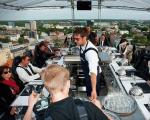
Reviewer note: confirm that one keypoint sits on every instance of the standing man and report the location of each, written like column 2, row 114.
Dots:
column 89, row 60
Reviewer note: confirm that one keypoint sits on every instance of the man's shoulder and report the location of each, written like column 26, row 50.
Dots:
column 91, row 45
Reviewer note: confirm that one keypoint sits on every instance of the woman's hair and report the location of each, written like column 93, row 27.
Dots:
column 41, row 44
column 55, row 77
column 83, row 31
column 2, row 68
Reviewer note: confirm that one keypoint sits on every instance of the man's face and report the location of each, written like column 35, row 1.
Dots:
column 78, row 39
column 26, row 61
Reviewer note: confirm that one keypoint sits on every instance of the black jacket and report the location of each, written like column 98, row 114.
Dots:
column 66, row 110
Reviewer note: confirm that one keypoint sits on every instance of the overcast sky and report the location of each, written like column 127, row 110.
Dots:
column 49, row 14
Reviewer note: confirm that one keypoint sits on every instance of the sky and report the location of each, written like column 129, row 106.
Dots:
column 58, row 14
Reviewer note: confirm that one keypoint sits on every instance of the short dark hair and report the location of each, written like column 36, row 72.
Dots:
column 83, row 31
column 24, row 57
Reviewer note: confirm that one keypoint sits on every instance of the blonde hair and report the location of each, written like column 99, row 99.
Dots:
column 55, row 77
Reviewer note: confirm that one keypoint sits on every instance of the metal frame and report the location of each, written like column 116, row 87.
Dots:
column 34, row 4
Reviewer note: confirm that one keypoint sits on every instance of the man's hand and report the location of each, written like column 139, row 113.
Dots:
column 93, row 95
column 13, row 110
column 97, row 103
column 148, row 82
column 33, row 98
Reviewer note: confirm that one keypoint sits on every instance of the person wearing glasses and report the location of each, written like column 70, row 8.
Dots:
column 8, row 91
column 26, row 71
column 89, row 60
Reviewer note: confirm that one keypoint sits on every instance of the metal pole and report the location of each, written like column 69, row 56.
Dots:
column 99, row 12
column 73, row 15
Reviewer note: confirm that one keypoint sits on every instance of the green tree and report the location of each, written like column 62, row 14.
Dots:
column 142, row 40
column 21, row 40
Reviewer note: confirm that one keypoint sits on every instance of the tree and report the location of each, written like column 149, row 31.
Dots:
column 21, row 40
column 141, row 40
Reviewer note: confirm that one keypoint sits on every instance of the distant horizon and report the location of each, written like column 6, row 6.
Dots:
column 102, row 20
column 66, row 14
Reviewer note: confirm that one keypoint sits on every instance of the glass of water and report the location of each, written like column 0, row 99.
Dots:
column 148, row 103
column 133, row 78
column 19, row 115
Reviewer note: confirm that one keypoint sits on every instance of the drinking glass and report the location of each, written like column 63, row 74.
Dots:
column 19, row 115
column 148, row 103
column 133, row 77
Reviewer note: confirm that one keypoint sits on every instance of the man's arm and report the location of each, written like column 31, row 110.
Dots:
column 23, row 75
column 93, row 83
column 35, row 69
column 33, row 98
column 93, row 64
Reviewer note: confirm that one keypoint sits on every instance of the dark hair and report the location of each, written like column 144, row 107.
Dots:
column 2, row 68
column 41, row 44
column 83, row 31
column 24, row 56
column 123, row 40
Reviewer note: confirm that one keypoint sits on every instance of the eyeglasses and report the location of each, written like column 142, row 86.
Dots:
column 6, row 72
column 76, row 39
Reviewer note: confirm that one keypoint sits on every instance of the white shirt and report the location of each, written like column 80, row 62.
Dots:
column 92, row 58
column 24, row 76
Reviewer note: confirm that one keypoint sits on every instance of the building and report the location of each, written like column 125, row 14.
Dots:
column 18, row 50
column 11, row 24
column 5, row 55
column 6, row 45
column 14, row 37
column 33, row 26
column 27, row 26
column 124, row 32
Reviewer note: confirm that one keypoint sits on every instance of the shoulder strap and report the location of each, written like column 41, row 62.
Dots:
column 81, row 109
column 25, row 70
column 31, row 69
column 92, row 49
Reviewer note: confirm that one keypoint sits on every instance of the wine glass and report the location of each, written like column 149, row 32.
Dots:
column 133, row 77
column 34, row 87
column 28, row 89
column 18, row 113
column 148, row 103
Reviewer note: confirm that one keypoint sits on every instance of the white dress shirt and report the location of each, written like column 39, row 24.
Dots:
column 24, row 76
column 92, row 58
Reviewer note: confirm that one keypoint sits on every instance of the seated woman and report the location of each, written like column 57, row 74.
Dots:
column 8, row 91
column 41, row 54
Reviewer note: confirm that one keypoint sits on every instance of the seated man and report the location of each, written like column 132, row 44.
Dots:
column 26, row 71
column 63, row 107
